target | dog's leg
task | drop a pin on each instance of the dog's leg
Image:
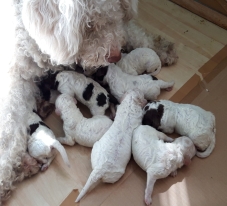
(68, 140)
(168, 86)
(149, 188)
(164, 137)
(137, 38)
(174, 173)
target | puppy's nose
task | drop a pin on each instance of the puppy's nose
(114, 56)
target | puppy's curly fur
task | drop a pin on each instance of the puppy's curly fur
(55, 32)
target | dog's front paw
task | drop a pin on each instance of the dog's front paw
(44, 167)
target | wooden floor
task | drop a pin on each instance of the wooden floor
(197, 41)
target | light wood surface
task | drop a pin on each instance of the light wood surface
(197, 41)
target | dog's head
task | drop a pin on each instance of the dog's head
(187, 148)
(87, 32)
(153, 113)
(43, 146)
(136, 95)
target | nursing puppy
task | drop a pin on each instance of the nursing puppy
(185, 119)
(42, 144)
(157, 158)
(139, 61)
(120, 82)
(77, 128)
(86, 90)
(110, 155)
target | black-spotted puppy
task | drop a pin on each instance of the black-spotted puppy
(42, 144)
(185, 119)
(157, 158)
(120, 82)
(86, 90)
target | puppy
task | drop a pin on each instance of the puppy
(185, 119)
(139, 61)
(77, 128)
(120, 82)
(157, 158)
(42, 144)
(86, 90)
(110, 155)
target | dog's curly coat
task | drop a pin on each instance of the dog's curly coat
(54, 32)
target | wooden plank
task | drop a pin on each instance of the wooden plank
(204, 12)
(215, 5)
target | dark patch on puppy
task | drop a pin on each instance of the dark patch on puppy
(56, 84)
(101, 99)
(43, 124)
(100, 74)
(154, 78)
(153, 117)
(146, 108)
(88, 92)
(33, 128)
(112, 99)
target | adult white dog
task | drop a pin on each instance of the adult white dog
(185, 119)
(54, 32)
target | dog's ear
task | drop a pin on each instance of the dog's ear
(100, 74)
(112, 99)
(130, 9)
(152, 117)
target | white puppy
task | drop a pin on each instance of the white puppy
(110, 155)
(42, 144)
(139, 61)
(77, 128)
(157, 158)
(120, 82)
(185, 119)
(86, 90)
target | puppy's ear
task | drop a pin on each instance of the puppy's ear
(100, 74)
(187, 160)
(112, 99)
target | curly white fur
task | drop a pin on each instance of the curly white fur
(74, 84)
(110, 155)
(157, 158)
(188, 120)
(139, 61)
(54, 32)
(120, 82)
(42, 144)
(77, 128)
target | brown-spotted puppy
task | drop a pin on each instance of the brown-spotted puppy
(85, 90)
(42, 144)
(120, 82)
(185, 119)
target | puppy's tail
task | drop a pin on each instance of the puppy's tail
(210, 148)
(93, 179)
(61, 149)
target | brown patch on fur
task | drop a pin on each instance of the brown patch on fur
(153, 117)
(44, 108)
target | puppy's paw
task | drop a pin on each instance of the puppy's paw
(174, 173)
(169, 89)
(44, 167)
(148, 200)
